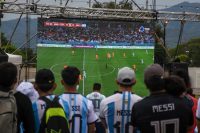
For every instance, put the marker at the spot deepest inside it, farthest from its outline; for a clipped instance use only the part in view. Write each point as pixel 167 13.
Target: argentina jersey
pixel 38 110
pixel 79 111
pixel 96 99
pixel 116 110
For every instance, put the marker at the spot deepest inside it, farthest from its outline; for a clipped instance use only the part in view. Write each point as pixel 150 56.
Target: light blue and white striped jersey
pixel 79 111
pixel 96 99
pixel 116 110
pixel 38 110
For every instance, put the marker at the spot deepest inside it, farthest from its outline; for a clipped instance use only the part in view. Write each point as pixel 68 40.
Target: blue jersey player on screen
pixel 115 111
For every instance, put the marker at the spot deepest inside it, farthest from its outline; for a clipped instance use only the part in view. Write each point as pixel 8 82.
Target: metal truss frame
pixel 64 11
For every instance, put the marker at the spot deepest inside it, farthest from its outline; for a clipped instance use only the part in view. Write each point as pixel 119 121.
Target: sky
pixel 84 3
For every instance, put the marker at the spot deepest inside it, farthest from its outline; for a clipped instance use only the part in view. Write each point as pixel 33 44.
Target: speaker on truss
pixel 172 67
pixel 3 56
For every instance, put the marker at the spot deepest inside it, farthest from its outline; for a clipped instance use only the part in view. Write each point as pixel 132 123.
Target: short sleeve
pixel 102 110
pixel 92 117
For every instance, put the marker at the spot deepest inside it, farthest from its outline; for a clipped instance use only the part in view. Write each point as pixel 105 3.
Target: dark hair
pixel 8 74
pixel 70 75
pixel 44 79
pixel 154 83
pixel 183 74
pixel 97 86
pixel 174 85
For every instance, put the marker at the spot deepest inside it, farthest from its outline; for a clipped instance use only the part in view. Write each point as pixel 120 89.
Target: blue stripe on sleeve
pixel 129 104
pixel 111 114
pixel 84 115
pixel 123 108
pixel 66 108
pixel 36 116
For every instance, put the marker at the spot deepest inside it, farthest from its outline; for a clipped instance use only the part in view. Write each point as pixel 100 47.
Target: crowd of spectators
pixel 170 106
pixel 97 33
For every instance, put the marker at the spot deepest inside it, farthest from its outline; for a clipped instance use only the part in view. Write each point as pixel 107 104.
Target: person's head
pixel 185 76
pixel 126 77
pixel 153 77
pixel 97 87
pixel 8 75
pixel 28 89
pixel 70 77
pixel 45 80
pixel 174 85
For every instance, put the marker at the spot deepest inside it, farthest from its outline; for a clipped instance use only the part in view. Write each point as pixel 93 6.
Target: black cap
pixel 44 76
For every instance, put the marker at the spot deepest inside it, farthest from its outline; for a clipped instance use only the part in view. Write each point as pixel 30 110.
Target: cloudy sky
pixel 84 3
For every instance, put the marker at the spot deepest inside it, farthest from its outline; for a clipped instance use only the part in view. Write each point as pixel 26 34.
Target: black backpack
pixel 54 119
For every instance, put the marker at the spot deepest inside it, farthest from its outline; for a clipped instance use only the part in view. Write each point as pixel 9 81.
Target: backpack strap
pixel 45 99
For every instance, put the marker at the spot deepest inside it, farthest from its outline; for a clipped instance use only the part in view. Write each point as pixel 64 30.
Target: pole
pixel 27 45
pixel 147 4
pixel 1 16
pixel 180 38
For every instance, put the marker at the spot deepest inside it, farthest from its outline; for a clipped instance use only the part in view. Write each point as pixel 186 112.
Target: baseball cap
pixel 27 89
pixel 44 76
pixel 153 70
pixel 126 76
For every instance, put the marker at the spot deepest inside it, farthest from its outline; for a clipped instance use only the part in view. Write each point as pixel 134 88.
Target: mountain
pixel 19 37
pixel 191 29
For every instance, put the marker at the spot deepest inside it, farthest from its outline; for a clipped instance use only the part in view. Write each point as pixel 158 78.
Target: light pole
pixel 164 37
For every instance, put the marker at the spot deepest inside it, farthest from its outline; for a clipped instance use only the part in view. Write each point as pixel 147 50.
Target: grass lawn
pixel 96 70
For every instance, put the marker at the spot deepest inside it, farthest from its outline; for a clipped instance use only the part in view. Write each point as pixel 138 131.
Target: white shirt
pixel 96 99
pixel 116 110
pixel 79 111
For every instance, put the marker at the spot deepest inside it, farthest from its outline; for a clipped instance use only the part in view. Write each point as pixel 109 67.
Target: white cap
pixel 126 76
pixel 27 89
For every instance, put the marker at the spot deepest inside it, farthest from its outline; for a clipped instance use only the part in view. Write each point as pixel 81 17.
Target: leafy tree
pixel 194 54
pixel 4 40
pixel 112 5
pixel 160 54
pixel 97 5
pixel 126 5
pixel 191 50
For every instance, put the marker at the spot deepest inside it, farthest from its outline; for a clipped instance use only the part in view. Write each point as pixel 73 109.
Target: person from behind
pixel 45 85
pixel 183 74
pixel 28 89
pixel 160 112
pixel 21 104
pixel 96 97
pixel 115 111
pixel 175 86
pixel 79 110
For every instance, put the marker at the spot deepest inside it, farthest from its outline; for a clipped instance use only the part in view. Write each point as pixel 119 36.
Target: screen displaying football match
pixel 83 32
pixel 99 48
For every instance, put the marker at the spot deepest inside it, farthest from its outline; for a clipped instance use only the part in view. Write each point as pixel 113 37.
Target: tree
pixel 97 5
pixel 112 5
pixel 4 40
pixel 160 54
pixel 191 50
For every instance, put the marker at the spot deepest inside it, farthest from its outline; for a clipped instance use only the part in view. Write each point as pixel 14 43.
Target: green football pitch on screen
pixel 102 70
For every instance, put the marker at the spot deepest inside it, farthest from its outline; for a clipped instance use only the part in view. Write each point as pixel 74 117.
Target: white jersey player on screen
pixel 96 97
pixel 115 111
pixel 78 109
